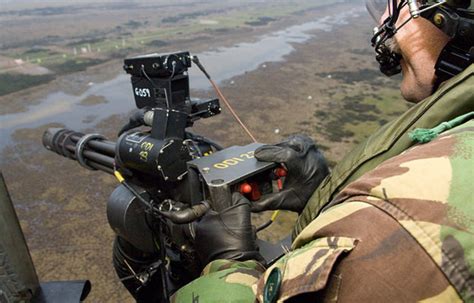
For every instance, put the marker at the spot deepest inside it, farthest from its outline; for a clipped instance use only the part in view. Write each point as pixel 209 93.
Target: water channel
pixel 222 63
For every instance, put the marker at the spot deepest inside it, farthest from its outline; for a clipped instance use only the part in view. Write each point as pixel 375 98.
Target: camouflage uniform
pixel 401 232
pixel 452 99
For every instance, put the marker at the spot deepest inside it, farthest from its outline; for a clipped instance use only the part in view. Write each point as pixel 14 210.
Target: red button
pixel 280 172
pixel 245 188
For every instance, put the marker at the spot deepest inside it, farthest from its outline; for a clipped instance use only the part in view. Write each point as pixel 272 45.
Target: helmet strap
pixel 458 53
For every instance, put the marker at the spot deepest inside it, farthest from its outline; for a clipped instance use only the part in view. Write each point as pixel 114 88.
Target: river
pixel 116 94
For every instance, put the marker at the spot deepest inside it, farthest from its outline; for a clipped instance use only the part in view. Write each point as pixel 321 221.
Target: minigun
pixel 169 177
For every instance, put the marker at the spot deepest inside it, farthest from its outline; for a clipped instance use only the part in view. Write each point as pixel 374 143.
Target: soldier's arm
pixel 223 281
pixel 401 232
pixel 302 271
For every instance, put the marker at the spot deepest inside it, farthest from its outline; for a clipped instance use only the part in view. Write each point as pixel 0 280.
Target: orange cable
pixel 234 114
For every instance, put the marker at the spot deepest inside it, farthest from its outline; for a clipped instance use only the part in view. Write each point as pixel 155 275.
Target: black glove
pixel 228 234
pixel 306 170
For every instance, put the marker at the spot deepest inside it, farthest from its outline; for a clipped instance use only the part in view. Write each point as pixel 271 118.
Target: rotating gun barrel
pixel 92 151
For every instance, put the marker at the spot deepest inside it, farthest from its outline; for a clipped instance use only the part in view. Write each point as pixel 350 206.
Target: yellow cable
pixel 275 215
pixel 119 176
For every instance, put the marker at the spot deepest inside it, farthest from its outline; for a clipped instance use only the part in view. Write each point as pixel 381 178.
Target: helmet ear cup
pixel 456 20
pixel 443 18
pixel 463 4
pixel 454 17
pixel 454 4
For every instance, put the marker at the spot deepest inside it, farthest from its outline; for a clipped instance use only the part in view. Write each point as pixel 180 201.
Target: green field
pixel 10 83
pixel 78 54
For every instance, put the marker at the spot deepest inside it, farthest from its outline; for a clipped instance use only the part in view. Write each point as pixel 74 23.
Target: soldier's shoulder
pixel 435 171
pixel 304 270
pixel 428 190
pixel 223 281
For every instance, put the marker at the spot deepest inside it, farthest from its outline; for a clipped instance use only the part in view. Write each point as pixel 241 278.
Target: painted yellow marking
pixel 234 161
pixel 143 156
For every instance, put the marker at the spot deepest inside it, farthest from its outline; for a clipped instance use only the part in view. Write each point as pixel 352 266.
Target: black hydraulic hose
pixel 136 120
pixel 203 139
pixel 187 215
pixel 264 225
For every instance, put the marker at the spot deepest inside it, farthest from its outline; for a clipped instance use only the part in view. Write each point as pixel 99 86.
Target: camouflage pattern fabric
pixel 414 214
pixel 307 269
pixel 222 281
pixel 452 99
pixel 401 233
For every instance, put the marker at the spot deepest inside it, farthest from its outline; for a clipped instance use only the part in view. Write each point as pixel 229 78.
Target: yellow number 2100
pixel 234 161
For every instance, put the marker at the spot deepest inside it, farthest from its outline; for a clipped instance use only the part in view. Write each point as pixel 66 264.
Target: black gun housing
pixel 160 80
pixel 164 164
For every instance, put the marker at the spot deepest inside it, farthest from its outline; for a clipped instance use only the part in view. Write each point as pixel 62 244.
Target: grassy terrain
pixel 76 53
pixel 14 82
pixel 74 65
pixel 62 209
pixel 359 111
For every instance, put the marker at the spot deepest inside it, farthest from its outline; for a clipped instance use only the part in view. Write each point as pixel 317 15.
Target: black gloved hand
pixel 306 167
pixel 228 234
